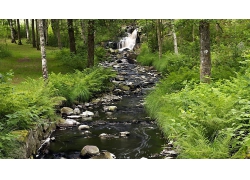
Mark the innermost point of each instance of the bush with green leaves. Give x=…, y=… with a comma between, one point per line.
x=169, y=63
x=75, y=61
x=22, y=108
x=146, y=57
x=4, y=51
x=100, y=54
x=171, y=83
x=205, y=120
x=82, y=85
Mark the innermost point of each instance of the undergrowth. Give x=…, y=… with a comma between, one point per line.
x=32, y=102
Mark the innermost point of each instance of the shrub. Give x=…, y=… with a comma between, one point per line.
x=146, y=57
x=205, y=120
x=4, y=51
x=75, y=61
x=81, y=85
x=171, y=62
x=100, y=54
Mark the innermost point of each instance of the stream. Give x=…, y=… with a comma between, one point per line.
x=143, y=139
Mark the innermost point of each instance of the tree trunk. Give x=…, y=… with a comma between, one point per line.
x=12, y=31
x=158, y=27
x=37, y=36
x=43, y=50
x=174, y=37
x=27, y=30
x=33, y=33
x=205, y=57
x=45, y=26
x=91, y=43
x=72, y=44
x=19, y=33
x=83, y=34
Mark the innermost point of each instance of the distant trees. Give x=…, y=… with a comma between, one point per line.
x=55, y=24
x=91, y=43
x=83, y=33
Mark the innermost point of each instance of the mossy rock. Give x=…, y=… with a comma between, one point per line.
x=22, y=135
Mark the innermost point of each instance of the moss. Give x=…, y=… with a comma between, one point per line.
x=22, y=135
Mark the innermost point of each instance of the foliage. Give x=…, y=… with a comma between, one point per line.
x=21, y=109
x=81, y=85
x=100, y=54
x=4, y=51
x=7, y=144
x=206, y=120
x=146, y=57
x=75, y=61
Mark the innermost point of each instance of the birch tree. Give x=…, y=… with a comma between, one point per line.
x=12, y=31
x=45, y=27
x=19, y=33
x=174, y=37
x=43, y=50
x=205, y=57
x=27, y=30
x=159, y=36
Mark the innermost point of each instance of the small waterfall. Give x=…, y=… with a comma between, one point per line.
x=129, y=41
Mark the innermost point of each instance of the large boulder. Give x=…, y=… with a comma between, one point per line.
x=87, y=114
x=109, y=108
x=83, y=127
x=76, y=111
x=67, y=111
x=89, y=151
x=71, y=122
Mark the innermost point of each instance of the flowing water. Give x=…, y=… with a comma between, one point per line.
x=128, y=42
x=145, y=138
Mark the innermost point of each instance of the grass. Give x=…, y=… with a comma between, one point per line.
x=25, y=61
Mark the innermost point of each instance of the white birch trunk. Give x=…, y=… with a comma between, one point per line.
x=27, y=30
x=13, y=39
x=43, y=50
x=175, y=38
x=158, y=27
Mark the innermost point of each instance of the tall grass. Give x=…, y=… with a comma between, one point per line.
x=204, y=120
